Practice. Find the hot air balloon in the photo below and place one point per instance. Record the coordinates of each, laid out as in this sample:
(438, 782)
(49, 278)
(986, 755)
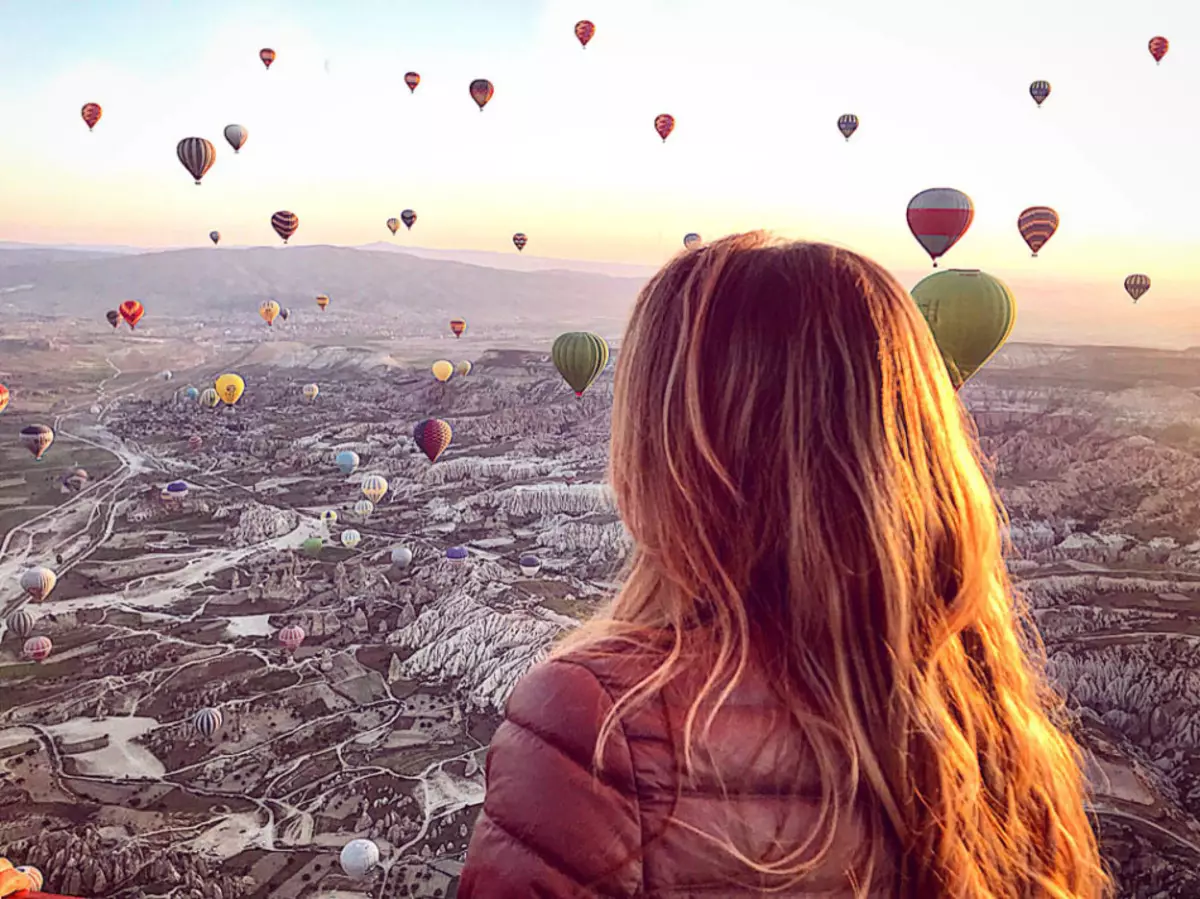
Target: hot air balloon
(329, 517)
(23, 880)
(457, 554)
(291, 637)
(114, 317)
(1039, 90)
(1158, 48)
(1137, 285)
(311, 391)
(481, 92)
(351, 538)
(285, 313)
(322, 302)
(285, 224)
(363, 508)
(393, 225)
(1037, 225)
(267, 55)
(433, 436)
(37, 439)
(412, 79)
(4, 396)
(38, 582)
(210, 398)
(442, 370)
(346, 461)
(359, 857)
(176, 490)
(195, 442)
(166, 375)
(230, 388)
(21, 622)
(75, 479)
(519, 241)
(197, 156)
(237, 135)
(37, 648)
(530, 565)
(938, 218)
(132, 311)
(584, 31)
(579, 356)
(207, 722)
(463, 368)
(268, 310)
(848, 124)
(312, 546)
(401, 557)
(457, 326)
(691, 239)
(91, 113)
(374, 486)
(409, 218)
(970, 314)
(664, 124)
(215, 237)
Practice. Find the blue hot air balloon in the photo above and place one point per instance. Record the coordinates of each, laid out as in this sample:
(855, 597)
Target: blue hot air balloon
(346, 461)
(176, 490)
(192, 394)
(457, 554)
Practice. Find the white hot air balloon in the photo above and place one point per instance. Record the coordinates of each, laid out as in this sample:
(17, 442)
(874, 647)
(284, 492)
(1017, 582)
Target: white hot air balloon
(359, 857)
(402, 556)
(363, 508)
(351, 538)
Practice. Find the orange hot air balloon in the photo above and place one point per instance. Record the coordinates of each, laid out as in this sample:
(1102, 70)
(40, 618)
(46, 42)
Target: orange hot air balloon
(4, 396)
(457, 325)
(664, 125)
(37, 439)
(412, 79)
(1158, 48)
(322, 302)
(285, 224)
(267, 55)
(91, 113)
(132, 311)
(1037, 225)
(433, 436)
(584, 31)
(481, 92)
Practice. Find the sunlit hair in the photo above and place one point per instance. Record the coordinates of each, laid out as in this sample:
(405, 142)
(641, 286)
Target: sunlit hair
(806, 497)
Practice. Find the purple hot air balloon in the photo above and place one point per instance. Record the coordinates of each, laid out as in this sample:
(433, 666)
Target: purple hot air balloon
(457, 554)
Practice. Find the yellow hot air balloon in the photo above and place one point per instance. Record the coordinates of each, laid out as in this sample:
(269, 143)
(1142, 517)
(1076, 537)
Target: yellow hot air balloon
(230, 388)
(442, 370)
(328, 517)
(970, 314)
(374, 486)
(311, 391)
(268, 310)
(322, 301)
(463, 368)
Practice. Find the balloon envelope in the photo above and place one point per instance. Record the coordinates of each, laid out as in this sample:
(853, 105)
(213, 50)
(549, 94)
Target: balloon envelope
(970, 314)
(230, 388)
(938, 218)
(433, 436)
(443, 369)
(402, 556)
(579, 356)
(346, 461)
(359, 857)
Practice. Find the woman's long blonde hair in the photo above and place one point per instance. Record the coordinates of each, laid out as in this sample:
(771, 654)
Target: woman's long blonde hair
(806, 498)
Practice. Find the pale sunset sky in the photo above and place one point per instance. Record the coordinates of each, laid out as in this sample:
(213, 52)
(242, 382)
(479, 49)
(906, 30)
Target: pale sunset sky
(566, 150)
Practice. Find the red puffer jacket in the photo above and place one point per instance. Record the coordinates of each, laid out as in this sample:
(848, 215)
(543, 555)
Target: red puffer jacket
(548, 830)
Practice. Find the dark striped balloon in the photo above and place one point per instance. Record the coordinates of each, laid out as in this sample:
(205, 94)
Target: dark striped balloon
(21, 622)
(1037, 225)
(91, 113)
(1039, 90)
(412, 79)
(197, 156)
(481, 92)
(1137, 285)
(579, 356)
(664, 124)
(848, 124)
(285, 224)
(207, 722)
(519, 241)
(1158, 48)
(409, 218)
(433, 436)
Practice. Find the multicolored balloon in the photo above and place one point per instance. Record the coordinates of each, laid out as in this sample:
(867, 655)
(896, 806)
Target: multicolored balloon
(267, 55)
(351, 538)
(393, 225)
(268, 310)
(433, 436)
(197, 156)
(310, 392)
(291, 637)
(374, 487)
(215, 237)
(38, 582)
(970, 314)
(1037, 225)
(691, 239)
(412, 79)
(91, 113)
(1137, 285)
(409, 218)
(132, 311)
(481, 92)
(848, 124)
(457, 326)
(530, 565)
(584, 31)
(579, 356)
(210, 398)
(285, 224)
(519, 241)
(37, 439)
(664, 124)
(322, 302)
(1158, 48)
(938, 218)
(237, 135)
(1039, 90)
(363, 508)
(21, 622)
(4, 397)
(37, 648)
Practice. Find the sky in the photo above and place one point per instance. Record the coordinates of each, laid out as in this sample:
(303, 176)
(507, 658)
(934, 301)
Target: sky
(566, 150)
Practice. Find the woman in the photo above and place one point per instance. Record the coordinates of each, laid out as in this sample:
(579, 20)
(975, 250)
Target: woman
(815, 680)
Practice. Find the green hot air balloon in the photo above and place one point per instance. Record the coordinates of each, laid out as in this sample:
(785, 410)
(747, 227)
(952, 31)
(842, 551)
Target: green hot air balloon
(970, 313)
(579, 356)
(312, 546)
